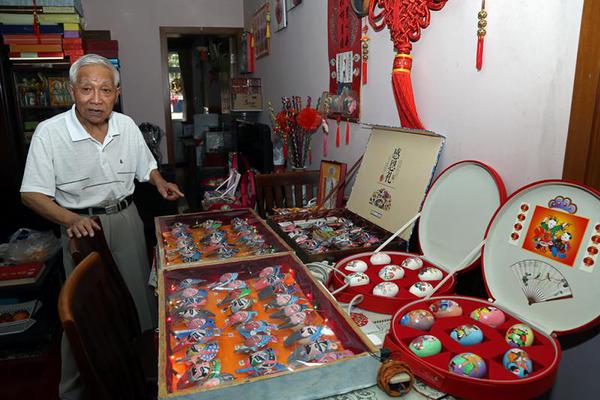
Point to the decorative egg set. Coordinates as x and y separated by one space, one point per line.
470 338
390 279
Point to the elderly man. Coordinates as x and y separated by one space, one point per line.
82 163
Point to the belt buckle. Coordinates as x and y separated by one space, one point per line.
111 209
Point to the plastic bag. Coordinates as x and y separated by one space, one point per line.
27 245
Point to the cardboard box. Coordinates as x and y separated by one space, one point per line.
311 381
396 170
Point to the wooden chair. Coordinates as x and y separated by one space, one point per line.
284 190
145 344
80 248
89 307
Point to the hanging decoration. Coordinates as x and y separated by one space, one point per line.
36 23
481 24
345 59
405 19
365 53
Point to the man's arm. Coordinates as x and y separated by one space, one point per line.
168 190
77 225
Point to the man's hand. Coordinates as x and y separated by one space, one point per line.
169 191
82 226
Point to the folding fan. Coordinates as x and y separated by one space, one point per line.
540 281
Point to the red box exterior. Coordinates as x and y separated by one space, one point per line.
471 388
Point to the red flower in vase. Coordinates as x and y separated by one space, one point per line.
309 119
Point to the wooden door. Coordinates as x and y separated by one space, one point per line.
582 155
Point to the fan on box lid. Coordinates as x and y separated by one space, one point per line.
541 282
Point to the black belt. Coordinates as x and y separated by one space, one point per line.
109 209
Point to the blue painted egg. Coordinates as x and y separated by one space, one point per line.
467 335
468 364
518 362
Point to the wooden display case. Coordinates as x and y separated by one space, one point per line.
163 226
356 369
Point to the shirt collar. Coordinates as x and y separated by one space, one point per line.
78 132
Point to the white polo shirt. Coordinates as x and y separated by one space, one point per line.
66 163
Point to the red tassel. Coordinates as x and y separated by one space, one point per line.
325 144
285 151
310 155
347 133
403 92
479 62
364 73
337 133
36 24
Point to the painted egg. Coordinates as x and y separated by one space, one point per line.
413 263
386 289
418 319
489 316
430 274
356 266
518 362
468 364
358 279
467 335
421 289
380 259
446 308
425 346
519 335
391 272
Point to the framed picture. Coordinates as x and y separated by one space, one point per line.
262 46
292 3
246 53
332 172
58 88
280 14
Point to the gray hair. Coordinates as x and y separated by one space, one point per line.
92 59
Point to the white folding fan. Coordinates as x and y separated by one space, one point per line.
541 282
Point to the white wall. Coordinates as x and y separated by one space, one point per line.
135 24
514 114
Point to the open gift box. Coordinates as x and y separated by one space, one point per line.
539 265
455 214
394 174
196 238
217 342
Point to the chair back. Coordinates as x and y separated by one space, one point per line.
284 190
89 309
80 248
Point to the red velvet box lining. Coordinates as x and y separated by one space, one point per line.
382 304
491 349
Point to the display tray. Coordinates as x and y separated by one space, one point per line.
197 238
257 355
376 273
291 227
496 382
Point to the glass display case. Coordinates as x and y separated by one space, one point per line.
255 329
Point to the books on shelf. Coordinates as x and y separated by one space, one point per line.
57 55
20 274
51 4
44 38
28 29
23 19
33 48
95 34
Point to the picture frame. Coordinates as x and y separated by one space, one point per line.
331 173
292 3
246 53
58 89
260 23
280 14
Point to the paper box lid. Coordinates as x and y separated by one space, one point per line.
540 260
394 175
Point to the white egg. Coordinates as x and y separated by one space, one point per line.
356 266
413 263
421 289
386 289
380 259
391 272
430 274
358 279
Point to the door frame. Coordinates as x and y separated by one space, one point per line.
582 153
165 33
